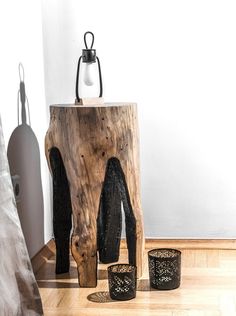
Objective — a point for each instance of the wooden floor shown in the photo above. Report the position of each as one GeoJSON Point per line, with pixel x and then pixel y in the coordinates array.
{"type": "Point", "coordinates": [208, 288]}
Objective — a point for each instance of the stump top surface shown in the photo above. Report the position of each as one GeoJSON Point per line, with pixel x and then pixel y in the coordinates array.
{"type": "Point", "coordinates": [109, 104]}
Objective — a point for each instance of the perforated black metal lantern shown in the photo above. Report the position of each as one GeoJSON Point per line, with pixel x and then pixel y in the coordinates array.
{"type": "Point", "coordinates": [164, 268]}
{"type": "Point", "coordinates": [122, 281]}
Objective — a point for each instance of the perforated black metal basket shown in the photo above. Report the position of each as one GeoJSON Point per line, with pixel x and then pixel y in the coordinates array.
{"type": "Point", "coordinates": [164, 268]}
{"type": "Point", "coordinates": [122, 281]}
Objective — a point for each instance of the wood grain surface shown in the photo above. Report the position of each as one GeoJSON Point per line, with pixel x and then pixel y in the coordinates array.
{"type": "Point", "coordinates": [208, 286]}
{"type": "Point", "coordinates": [87, 137]}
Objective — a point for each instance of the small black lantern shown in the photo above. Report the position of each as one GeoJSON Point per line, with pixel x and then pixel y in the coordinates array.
{"type": "Point", "coordinates": [88, 57]}
{"type": "Point", "coordinates": [164, 268]}
{"type": "Point", "coordinates": [122, 281]}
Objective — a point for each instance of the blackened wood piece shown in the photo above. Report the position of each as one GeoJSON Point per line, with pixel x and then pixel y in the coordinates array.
{"type": "Point", "coordinates": [109, 221]}
{"type": "Point", "coordinates": [110, 217]}
{"type": "Point", "coordinates": [130, 221]}
{"type": "Point", "coordinates": [61, 211]}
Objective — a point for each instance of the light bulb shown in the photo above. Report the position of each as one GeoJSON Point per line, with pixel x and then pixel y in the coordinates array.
{"type": "Point", "coordinates": [89, 74]}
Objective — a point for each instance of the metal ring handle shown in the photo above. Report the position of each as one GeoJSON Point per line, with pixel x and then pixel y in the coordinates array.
{"type": "Point", "coordinates": [85, 41]}
{"type": "Point", "coordinates": [22, 98]}
{"type": "Point", "coordinates": [21, 72]}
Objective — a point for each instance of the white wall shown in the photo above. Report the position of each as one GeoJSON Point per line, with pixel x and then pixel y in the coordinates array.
{"type": "Point", "coordinates": [176, 59]}
{"type": "Point", "coordinates": [21, 40]}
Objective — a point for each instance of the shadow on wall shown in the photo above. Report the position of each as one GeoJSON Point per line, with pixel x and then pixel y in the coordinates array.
{"type": "Point", "coordinates": [24, 161]}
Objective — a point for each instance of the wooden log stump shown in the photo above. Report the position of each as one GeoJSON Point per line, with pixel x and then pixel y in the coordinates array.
{"type": "Point", "coordinates": [99, 147]}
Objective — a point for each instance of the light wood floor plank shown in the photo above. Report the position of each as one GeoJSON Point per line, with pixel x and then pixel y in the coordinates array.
{"type": "Point", "coordinates": [208, 288]}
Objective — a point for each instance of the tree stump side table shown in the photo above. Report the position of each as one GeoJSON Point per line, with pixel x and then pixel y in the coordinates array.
{"type": "Point", "coordinates": [93, 155]}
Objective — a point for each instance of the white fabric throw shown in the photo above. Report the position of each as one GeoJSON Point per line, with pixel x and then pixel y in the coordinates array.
{"type": "Point", "coordinates": [19, 294]}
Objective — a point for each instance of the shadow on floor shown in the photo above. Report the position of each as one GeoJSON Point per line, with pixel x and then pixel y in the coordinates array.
{"type": "Point", "coordinates": [104, 296]}
{"type": "Point", "coordinates": [102, 274]}
{"type": "Point", "coordinates": [47, 278]}
{"type": "Point", "coordinates": [48, 273]}
{"type": "Point", "coordinates": [144, 286]}
{"type": "Point", "coordinates": [100, 297]}
{"type": "Point", "coordinates": [57, 285]}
